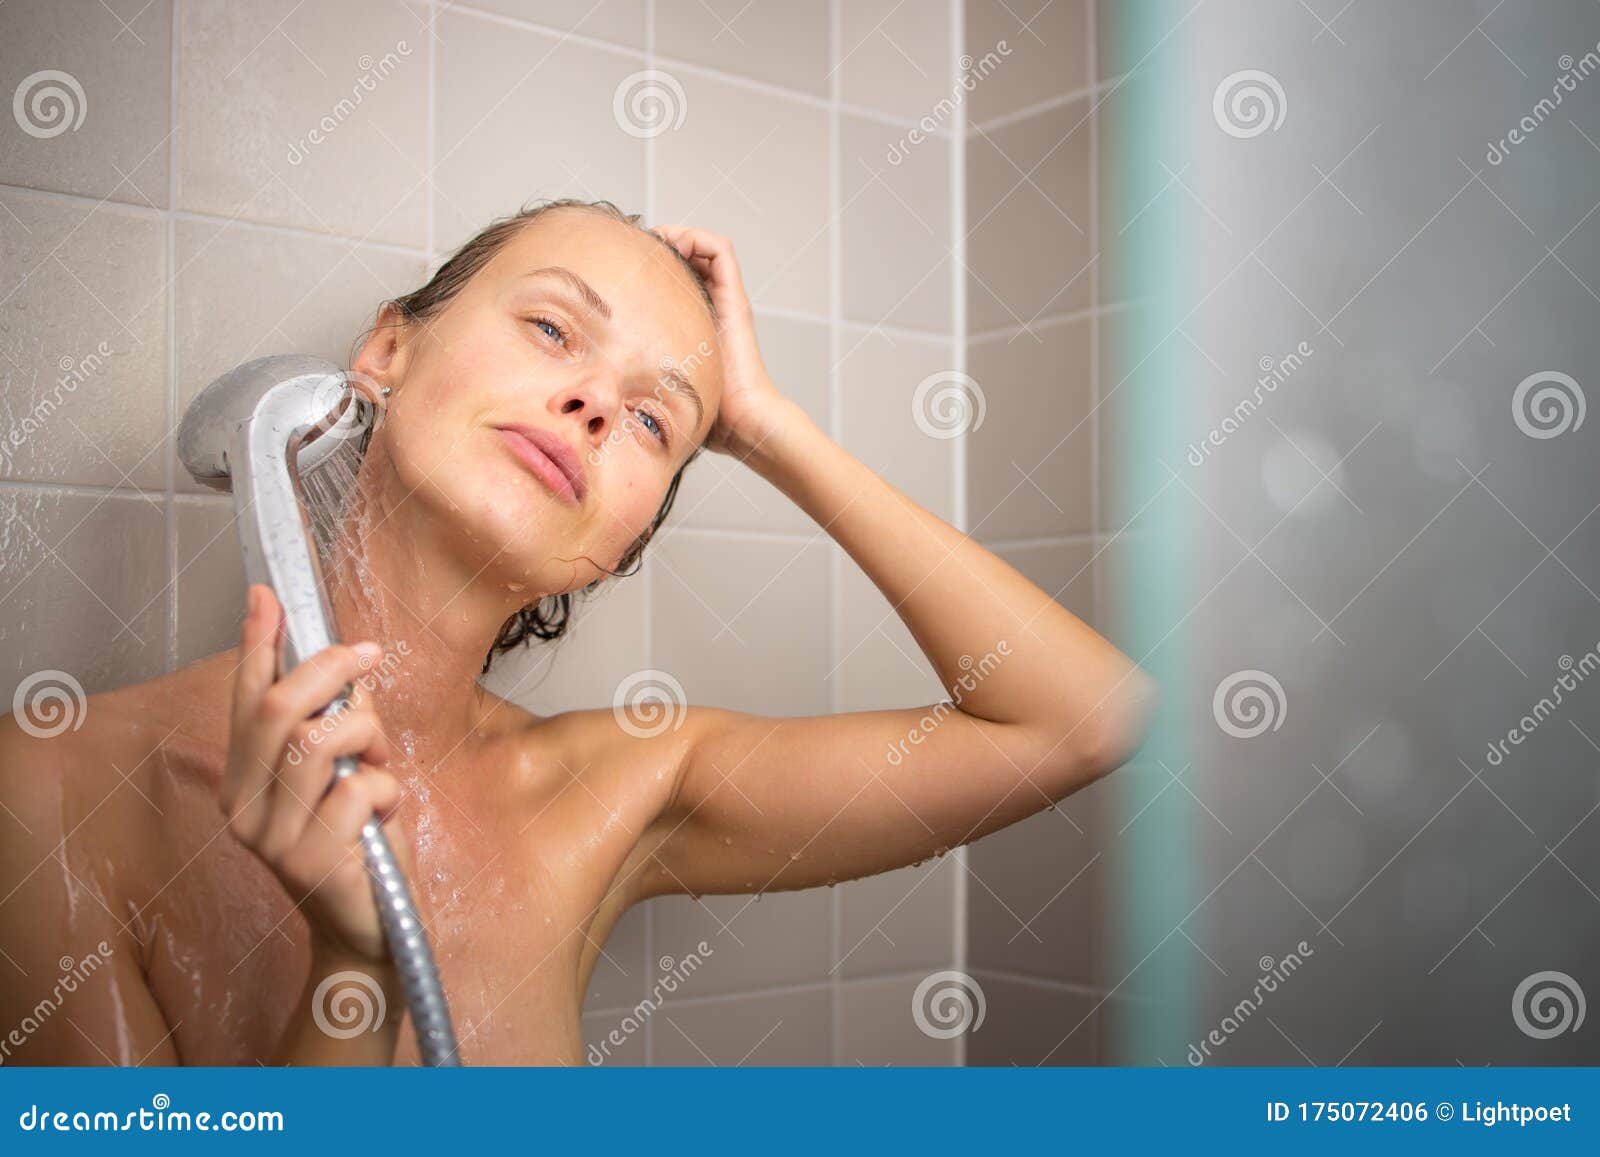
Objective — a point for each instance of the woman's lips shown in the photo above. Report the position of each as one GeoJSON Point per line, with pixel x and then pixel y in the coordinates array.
{"type": "Point", "coordinates": [540, 465]}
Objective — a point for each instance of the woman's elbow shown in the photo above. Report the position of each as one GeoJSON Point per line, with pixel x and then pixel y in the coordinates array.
{"type": "Point", "coordinates": [1108, 735]}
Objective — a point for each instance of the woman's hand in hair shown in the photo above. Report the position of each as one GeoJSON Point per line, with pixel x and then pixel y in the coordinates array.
{"type": "Point", "coordinates": [752, 408]}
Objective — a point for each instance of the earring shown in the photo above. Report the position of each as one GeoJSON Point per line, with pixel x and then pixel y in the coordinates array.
{"type": "Point", "coordinates": [387, 390]}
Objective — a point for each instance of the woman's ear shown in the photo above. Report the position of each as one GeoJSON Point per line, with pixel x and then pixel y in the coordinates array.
{"type": "Point", "coordinates": [382, 358]}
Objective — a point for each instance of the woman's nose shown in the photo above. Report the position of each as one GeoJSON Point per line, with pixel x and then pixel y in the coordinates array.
{"type": "Point", "coordinates": [593, 401]}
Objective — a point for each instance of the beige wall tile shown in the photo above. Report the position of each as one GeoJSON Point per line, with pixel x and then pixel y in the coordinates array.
{"type": "Point", "coordinates": [256, 80]}
{"type": "Point", "coordinates": [742, 624]}
{"type": "Point", "coordinates": [83, 330]}
{"type": "Point", "coordinates": [896, 57]}
{"type": "Point", "coordinates": [1048, 51]}
{"type": "Point", "coordinates": [1035, 893]}
{"type": "Point", "coordinates": [118, 55]}
{"type": "Point", "coordinates": [721, 493]}
{"type": "Point", "coordinates": [245, 292]}
{"type": "Point", "coordinates": [883, 421]}
{"type": "Point", "coordinates": [525, 116]}
{"type": "Point", "coordinates": [900, 919]}
{"type": "Point", "coordinates": [211, 583]}
{"type": "Point", "coordinates": [605, 645]}
{"type": "Point", "coordinates": [790, 1028]}
{"type": "Point", "coordinates": [616, 21]}
{"type": "Point", "coordinates": [777, 41]}
{"type": "Point", "coordinates": [1029, 248]}
{"type": "Point", "coordinates": [1031, 1024]}
{"type": "Point", "coordinates": [880, 664]}
{"type": "Point", "coordinates": [82, 590]}
{"type": "Point", "coordinates": [896, 226]}
{"type": "Point", "coordinates": [1030, 465]}
{"type": "Point", "coordinates": [781, 938]}
{"type": "Point", "coordinates": [876, 1025]}
{"type": "Point", "coordinates": [753, 167]}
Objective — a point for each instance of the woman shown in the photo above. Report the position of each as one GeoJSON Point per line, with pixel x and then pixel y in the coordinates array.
{"type": "Point", "coordinates": [541, 396]}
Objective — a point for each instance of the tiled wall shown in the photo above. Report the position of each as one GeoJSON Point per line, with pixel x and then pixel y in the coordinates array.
{"type": "Point", "coordinates": [1038, 895]}
{"type": "Point", "coordinates": [189, 223]}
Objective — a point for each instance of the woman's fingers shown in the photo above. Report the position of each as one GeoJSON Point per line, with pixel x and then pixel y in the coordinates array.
{"type": "Point", "coordinates": [305, 773]}
{"type": "Point", "coordinates": [712, 254]}
{"type": "Point", "coordinates": [330, 843]}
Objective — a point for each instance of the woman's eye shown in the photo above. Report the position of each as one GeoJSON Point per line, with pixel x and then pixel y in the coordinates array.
{"type": "Point", "coordinates": [653, 425]}
{"type": "Point", "coordinates": [555, 331]}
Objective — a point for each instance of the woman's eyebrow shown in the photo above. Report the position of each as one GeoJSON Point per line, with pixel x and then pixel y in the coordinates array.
{"type": "Point", "coordinates": [578, 285]}
{"type": "Point", "coordinates": [677, 382]}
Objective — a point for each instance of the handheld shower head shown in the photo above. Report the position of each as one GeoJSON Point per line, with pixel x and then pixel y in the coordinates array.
{"type": "Point", "coordinates": [299, 403]}
{"type": "Point", "coordinates": [255, 431]}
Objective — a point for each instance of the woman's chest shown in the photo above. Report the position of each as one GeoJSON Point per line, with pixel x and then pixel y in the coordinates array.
{"type": "Point", "coordinates": [513, 896]}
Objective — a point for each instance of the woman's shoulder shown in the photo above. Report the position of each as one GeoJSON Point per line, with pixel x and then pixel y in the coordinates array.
{"type": "Point", "coordinates": [69, 759]}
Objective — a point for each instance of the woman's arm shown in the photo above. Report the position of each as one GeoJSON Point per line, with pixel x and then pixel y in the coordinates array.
{"type": "Point", "coordinates": [1040, 704]}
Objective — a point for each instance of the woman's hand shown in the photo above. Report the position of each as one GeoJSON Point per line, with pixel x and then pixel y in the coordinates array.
{"type": "Point", "coordinates": [751, 404]}
{"type": "Point", "coordinates": [276, 789]}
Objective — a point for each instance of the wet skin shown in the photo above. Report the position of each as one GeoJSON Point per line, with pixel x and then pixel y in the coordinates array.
{"type": "Point", "coordinates": [514, 860]}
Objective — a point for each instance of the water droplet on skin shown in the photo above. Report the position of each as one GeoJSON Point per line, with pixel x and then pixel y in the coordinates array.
{"type": "Point", "coordinates": [728, 840]}
{"type": "Point", "coordinates": [794, 856]}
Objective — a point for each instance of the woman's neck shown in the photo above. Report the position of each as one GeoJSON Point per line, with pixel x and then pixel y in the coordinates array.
{"type": "Point", "coordinates": [397, 578]}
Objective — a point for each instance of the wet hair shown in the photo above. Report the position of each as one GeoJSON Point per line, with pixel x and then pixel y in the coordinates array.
{"type": "Point", "coordinates": [549, 618]}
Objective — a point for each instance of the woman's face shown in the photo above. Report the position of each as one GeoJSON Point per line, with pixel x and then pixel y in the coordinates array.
{"type": "Point", "coordinates": [582, 338]}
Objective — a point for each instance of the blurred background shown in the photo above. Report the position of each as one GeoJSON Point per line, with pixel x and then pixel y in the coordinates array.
{"type": "Point", "coordinates": [1258, 333]}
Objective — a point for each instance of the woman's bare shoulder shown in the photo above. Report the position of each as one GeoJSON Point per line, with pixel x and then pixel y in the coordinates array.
{"type": "Point", "coordinates": [69, 760]}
